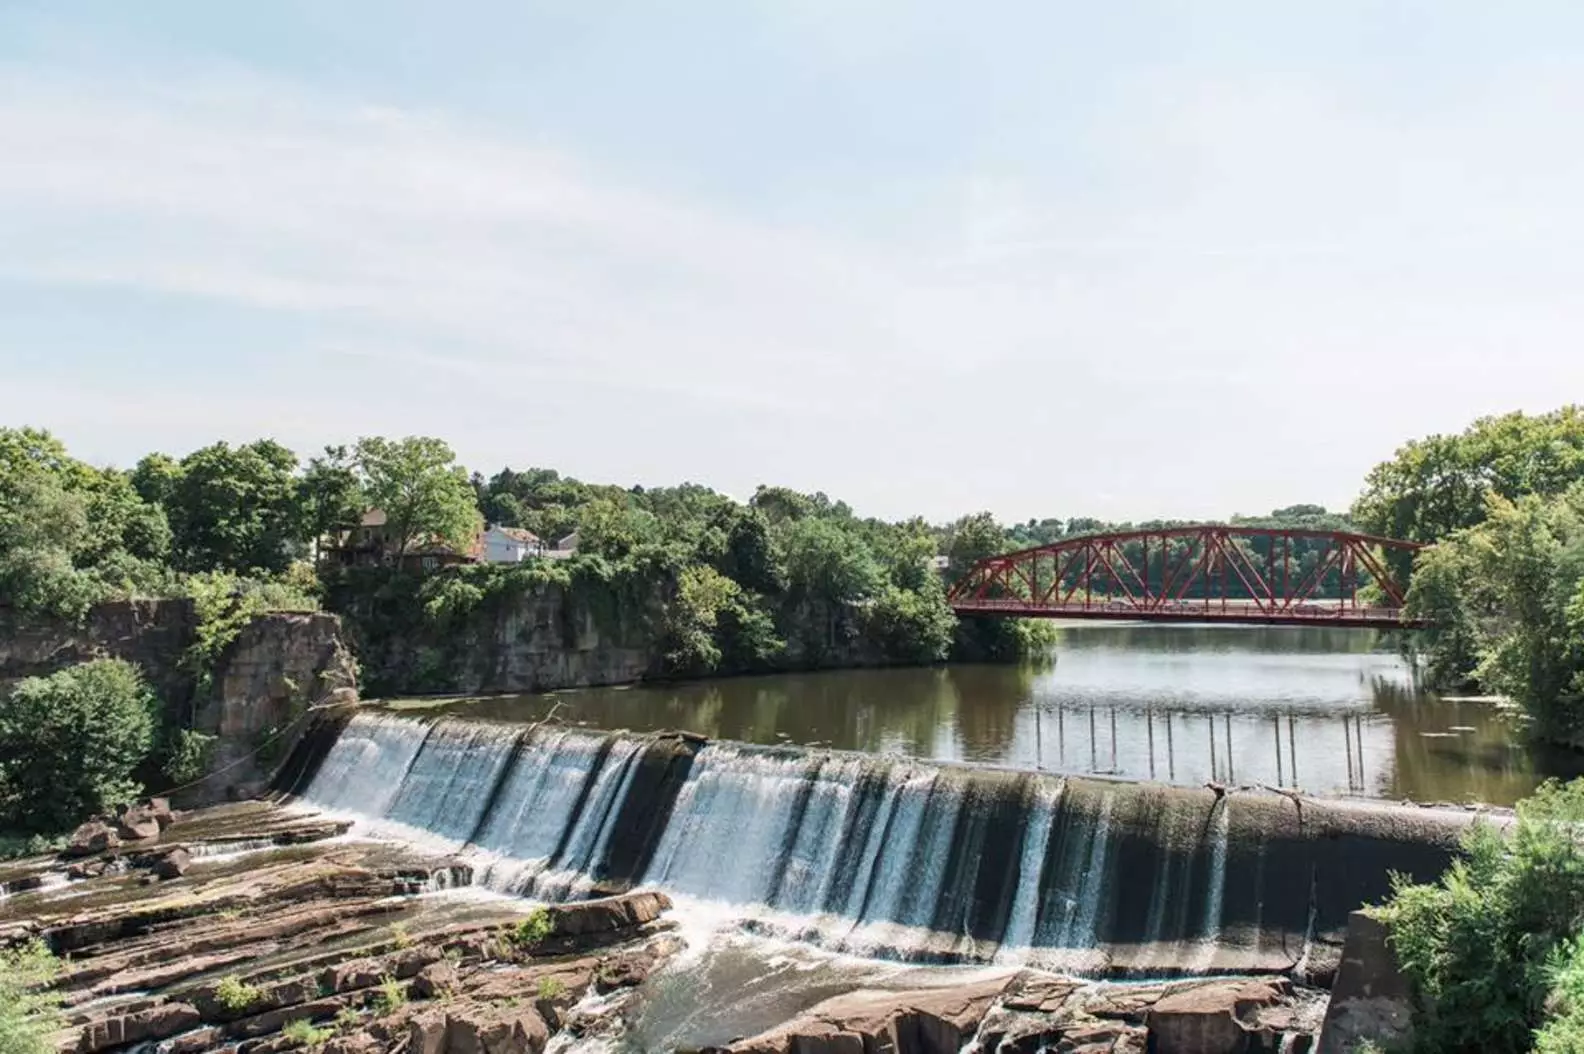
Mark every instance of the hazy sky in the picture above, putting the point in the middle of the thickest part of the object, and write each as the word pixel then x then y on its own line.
pixel 1139 259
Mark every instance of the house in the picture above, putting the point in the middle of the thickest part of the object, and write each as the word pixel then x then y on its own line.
pixel 509 545
pixel 371 544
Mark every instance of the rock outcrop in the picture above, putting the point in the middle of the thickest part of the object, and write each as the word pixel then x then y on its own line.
pixel 315 943
pixel 1027 1013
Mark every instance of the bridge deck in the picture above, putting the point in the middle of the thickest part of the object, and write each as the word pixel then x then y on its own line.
pixel 1236 612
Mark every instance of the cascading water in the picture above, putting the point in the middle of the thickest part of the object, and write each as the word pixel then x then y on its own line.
pixel 882 856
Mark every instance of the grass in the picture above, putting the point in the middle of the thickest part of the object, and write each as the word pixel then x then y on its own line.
pixel 29 1012
pixel 533 929
pixel 348 1019
pixel 236 995
pixel 400 935
pixel 302 1033
pixel 551 987
pixel 392 996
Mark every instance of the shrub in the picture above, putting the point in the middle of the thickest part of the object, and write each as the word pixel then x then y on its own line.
pixel 70 742
pixel 551 987
pixel 1490 947
pixel 533 929
pixel 235 994
pixel 1564 1032
pixel 392 996
pixel 29 1013
pixel 302 1033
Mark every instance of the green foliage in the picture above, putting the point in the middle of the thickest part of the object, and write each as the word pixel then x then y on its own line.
pixel 71 535
pixel 551 988
pixel 69 744
pixel 911 626
pixel 186 755
pixel 1507 602
pixel 392 996
pixel 224 604
pixel 18 847
pixel 1563 1032
pixel 1435 486
pixel 533 929
pixel 230 508
pixel 29 1012
pixel 1489 947
pixel 423 492
pixel 828 563
pixel 330 494
pixel 235 994
pixel 302 1033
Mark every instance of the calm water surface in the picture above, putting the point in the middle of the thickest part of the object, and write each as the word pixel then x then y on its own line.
pixel 1328 711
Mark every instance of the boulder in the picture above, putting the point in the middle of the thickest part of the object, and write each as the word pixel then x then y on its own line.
pixel 477 1028
pixel 1215 1017
pixel 88 868
pixel 607 915
pixel 435 980
pixel 173 864
pixel 137 826
pixel 95 836
pixel 156 1022
pixel 426 1032
pixel 913 1021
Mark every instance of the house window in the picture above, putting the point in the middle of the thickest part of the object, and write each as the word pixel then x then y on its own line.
pixel 428 563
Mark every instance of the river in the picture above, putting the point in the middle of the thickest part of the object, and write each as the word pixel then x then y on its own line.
pixel 1327 711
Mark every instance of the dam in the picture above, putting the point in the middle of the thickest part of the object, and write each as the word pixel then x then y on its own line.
pixel 891 858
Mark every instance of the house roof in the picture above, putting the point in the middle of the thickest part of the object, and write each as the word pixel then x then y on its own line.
pixel 373 518
pixel 521 534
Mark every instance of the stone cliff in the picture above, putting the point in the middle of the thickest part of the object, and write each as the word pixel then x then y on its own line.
pixel 279 665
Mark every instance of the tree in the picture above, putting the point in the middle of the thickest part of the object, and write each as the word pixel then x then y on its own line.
pixel 71 534
pixel 1506 602
pixel 1437 485
pixel 330 494
pixel 70 742
pixel 826 562
pixel 423 492
pixel 230 508
pixel 970 540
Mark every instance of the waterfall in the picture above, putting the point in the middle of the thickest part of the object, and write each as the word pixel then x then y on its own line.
pixel 876 855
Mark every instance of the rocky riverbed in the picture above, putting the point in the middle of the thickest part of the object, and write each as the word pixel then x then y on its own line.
pixel 259 928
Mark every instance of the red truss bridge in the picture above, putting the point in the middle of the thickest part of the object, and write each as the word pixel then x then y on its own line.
pixel 1205 573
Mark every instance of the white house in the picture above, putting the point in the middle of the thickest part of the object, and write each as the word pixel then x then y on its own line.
pixel 510 545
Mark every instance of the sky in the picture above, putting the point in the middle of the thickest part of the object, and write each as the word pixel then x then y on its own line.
pixel 1162 258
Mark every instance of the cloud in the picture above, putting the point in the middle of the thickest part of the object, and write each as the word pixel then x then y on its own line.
pixel 1247 292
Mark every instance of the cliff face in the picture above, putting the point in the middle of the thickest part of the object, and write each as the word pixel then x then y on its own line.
pixel 281 664
pixel 151 633
pixel 547 638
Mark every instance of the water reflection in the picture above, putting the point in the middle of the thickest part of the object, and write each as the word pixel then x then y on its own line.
pixel 1325 710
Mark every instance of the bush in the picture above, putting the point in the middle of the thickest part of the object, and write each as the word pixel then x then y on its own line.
pixel 533 929
pixel 302 1033
pixel 1490 948
pixel 235 994
pixel 70 742
pixel 29 1014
